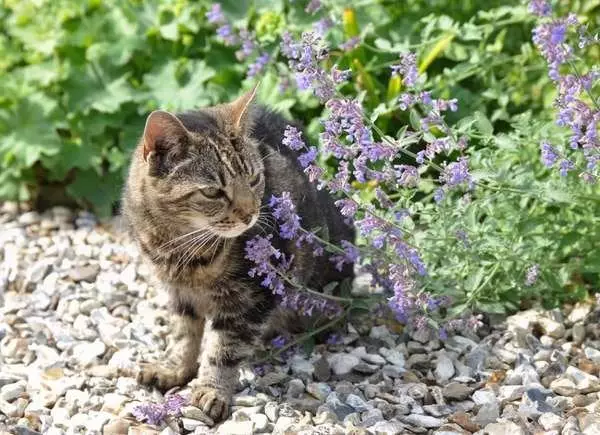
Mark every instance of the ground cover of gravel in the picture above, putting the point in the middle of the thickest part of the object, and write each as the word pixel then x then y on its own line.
pixel 76 307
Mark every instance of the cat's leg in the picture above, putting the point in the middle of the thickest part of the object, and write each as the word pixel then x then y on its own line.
pixel 229 340
pixel 181 363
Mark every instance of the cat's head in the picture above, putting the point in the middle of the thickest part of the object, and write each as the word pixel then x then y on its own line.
pixel 205 172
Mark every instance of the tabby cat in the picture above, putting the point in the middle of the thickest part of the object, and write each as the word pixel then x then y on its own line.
pixel 198 183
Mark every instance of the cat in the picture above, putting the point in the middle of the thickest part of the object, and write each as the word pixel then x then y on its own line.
pixel 198 183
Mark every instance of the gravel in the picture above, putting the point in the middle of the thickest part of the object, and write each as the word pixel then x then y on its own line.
pixel 77 309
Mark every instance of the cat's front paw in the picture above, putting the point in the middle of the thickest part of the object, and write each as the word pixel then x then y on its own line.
pixel 162 377
pixel 213 402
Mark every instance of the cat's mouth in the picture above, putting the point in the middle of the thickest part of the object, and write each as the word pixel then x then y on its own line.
pixel 233 229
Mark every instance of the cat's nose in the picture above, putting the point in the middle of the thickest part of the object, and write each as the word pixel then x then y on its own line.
pixel 243 216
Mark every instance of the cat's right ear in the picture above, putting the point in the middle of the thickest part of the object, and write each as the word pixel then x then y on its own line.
pixel 161 128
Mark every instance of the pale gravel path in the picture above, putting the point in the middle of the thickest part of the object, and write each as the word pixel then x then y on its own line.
pixel 74 295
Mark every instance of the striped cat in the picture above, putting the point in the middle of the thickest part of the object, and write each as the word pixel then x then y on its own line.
pixel 197 190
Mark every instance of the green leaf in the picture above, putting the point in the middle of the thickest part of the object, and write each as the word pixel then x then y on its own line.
pixel 168 92
pixel 483 124
pixel 28 133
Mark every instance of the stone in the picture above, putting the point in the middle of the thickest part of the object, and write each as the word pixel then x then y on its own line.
pixel 84 273
pixel 504 428
pixel 367 369
pixel 444 368
pixel 484 397
pixel 301 367
pixel 113 402
pixel 11 391
pixel 194 413
pixel 578 333
pixel 552 327
pixel 510 393
pixel 319 390
pixel 579 312
pixel 368 357
pixel 295 388
pixel 356 402
pixel 457 391
pixel 463 420
pixel 424 421
pixel 117 426
pixel 236 428
pixel 388 428
pixel 283 424
pixel 343 363
pixel 246 400
pixel 488 413
pixel 86 354
pixel 260 421
pixel 272 411
pixel 550 421
pixel 393 356
pixel 322 372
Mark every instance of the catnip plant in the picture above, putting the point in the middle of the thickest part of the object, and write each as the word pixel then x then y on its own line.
pixel 412 195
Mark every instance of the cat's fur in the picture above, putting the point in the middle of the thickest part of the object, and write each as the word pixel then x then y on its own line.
pixel 210 291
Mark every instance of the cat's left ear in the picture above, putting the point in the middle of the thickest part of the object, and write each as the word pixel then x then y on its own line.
pixel 240 110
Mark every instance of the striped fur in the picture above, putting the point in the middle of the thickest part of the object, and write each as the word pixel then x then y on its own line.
pixel 213 300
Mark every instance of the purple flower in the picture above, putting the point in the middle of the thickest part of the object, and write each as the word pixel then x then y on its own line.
pixel 350 256
pixel 407 68
pixel 322 26
pixel 334 339
pixel 248 45
pixel 151 413
pixel 225 32
pixel 258 65
pixel 308 157
pixel 284 211
pixel 549 154
pixel 350 44
pixel 549 38
pixel 540 8
pixel 565 166
pixel 532 275
pixel 313 6
pixel 174 403
pixel 215 15
pixel 292 138
pixel 457 173
pixel 407 175
pixel 348 207
pixel 279 341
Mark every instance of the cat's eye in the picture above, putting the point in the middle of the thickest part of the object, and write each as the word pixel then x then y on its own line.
pixel 211 192
pixel 255 180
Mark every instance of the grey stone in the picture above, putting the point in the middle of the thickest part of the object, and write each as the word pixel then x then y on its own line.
pixel 387 428
pixel 444 368
pixel 488 413
pixel 322 371
pixel 484 397
pixel 84 273
pixel 550 421
pixel 197 414
pixel 295 388
pixel 578 333
pixel 424 421
pixel 393 356
pixel 457 391
pixel 343 363
pixel 236 428
pixel 319 390
pixel 504 428
pixel 11 391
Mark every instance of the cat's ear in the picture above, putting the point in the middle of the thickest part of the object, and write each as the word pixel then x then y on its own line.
pixel 240 110
pixel 162 128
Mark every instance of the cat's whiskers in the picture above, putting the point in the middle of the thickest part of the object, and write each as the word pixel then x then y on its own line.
pixel 192 250
pixel 184 243
pixel 169 242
